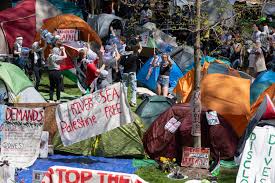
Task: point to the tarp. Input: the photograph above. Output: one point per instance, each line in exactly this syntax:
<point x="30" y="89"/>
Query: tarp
<point x="20" y="88"/>
<point x="269" y="9"/>
<point x="24" y="19"/>
<point x="152" y="107"/>
<point x="87" y="162"/>
<point x="159" y="142"/>
<point x="229" y="96"/>
<point x="261" y="83"/>
<point x="101" y="23"/>
<point x="151" y="83"/>
<point x="122" y="141"/>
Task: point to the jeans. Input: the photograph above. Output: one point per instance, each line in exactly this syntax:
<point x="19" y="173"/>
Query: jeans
<point x="37" y="74"/>
<point x="130" y="79"/>
<point x="55" y="82"/>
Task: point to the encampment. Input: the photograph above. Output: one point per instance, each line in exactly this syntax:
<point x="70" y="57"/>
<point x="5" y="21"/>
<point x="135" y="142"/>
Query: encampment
<point x="15" y="86"/>
<point x="24" y="20"/>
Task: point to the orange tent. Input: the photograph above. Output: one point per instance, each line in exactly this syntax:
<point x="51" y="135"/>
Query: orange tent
<point x="229" y="96"/>
<point x="68" y="21"/>
<point x="269" y="91"/>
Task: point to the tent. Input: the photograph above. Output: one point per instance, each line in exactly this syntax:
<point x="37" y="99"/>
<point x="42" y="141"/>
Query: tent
<point x="159" y="142"/>
<point x="24" y="19"/>
<point x="122" y="141"/>
<point x="175" y="74"/>
<point x="152" y="107"/>
<point x="261" y="83"/>
<point x="15" y="86"/>
<point x="269" y="9"/>
<point x="229" y="96"/>
<point x="101" y="23"/>
<point x="184" y="86"/>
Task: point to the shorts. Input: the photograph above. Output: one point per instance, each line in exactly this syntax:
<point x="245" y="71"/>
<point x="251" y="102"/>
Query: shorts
<point x="163" y="81"/>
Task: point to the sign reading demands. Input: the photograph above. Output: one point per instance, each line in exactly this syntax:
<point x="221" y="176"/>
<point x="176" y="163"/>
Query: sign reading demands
<point x="257" y="163"/>
<point x="92" y="114"/>
<point x="21" y="132"/>
<point x="195" y="157"/>
<point x="58" y="174"/>
<point x="68" y="34"/>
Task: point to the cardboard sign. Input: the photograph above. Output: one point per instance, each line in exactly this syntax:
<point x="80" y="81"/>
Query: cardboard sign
<point x="57" y="174"/>
<point x="172" y="125"/>
<point x="68" y="34"/>
<point x="93" y="114"/>
<point x="21" y="132"/>
<point x="212" y="118"/>
<point x="257" y="162"/>
<point x="195" y="157"/>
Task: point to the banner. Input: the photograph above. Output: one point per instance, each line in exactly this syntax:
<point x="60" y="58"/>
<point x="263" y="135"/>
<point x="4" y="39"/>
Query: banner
<point x="62" y="174"/>
<point x="92" y="114"/>
<point x="257" y="163"/>
<point x="21" y="133"/>
<point x="68" y="34"/>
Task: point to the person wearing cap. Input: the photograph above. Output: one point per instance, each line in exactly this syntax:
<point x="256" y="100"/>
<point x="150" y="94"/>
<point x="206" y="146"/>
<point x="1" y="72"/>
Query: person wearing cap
<point x="100" y="82"/>
<point x="256" y="60"/>
<point x="129" y="63"/>
<point x="54" y="60"/>
<point x="17" y="49"/>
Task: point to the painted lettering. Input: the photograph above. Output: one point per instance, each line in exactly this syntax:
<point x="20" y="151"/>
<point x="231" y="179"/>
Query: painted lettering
<point x="72" y="174"/>
<point x="60" y="174"/>
<point x="85" y="176"/>
<point x="271" y="140"/>
<point x="267" y="162"/>
<point x="265" y="173"/>
<point x="102" y="176"/>
<point x="113" y="178"/>
<point x="246" y="166"/>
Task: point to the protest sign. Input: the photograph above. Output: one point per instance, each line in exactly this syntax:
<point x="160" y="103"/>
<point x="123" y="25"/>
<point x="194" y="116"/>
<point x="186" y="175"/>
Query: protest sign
<point x="212" y="118"/>
<point x="257" y="162"/>
<point x="68" y="34"/>
<point x="21" y="132"/>
<point x="144" y="39"/>
<point x="92" y="114"/>
<point x="195" y="157"/>
<point x="62" y="174"/>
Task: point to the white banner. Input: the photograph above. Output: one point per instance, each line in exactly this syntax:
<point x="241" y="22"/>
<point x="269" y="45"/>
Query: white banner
<point x="257" y="163"/>
<point x="68" y="34"/>
<point x="62" y="174"/>
<point x="22" y="129"/>
<point x="92" y="114"/>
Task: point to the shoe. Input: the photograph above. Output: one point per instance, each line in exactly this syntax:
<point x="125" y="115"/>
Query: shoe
<point x="50" y="101"/>
<point x="133" y="104"/>
<point x="58" y="101"/>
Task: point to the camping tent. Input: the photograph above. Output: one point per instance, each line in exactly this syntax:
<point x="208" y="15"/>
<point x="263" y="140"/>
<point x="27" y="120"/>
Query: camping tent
<point x="229" y="96"/>
<point x="184" y="86"/>
<point x="122" y="141"/>
<point x="159" y="142"/>
<point x="152" y="107"/>
<point x="261" y="83"/>
<point x="15" y="87"/>
<point x="175" y="74"/>
<point x="101" y="23"/>
<point x="24" y="19"/>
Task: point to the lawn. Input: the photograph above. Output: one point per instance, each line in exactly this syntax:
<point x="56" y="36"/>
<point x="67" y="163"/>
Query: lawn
<point x="151" y="174"/>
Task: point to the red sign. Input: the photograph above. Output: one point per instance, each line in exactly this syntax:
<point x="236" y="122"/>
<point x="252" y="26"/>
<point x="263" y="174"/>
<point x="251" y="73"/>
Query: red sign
<point x="195" y="157"/>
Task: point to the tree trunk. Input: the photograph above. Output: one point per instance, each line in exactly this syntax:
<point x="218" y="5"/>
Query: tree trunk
<point x="196" y="128"/>
<point x="4" y="4"/>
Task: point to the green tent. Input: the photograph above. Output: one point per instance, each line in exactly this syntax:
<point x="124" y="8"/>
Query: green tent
<point x="152" y="107"/>
<point x="122" y="141"/>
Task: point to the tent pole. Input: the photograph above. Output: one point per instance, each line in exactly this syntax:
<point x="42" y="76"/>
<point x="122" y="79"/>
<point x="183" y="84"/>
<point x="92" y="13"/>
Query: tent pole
<point x="196" y="127"/>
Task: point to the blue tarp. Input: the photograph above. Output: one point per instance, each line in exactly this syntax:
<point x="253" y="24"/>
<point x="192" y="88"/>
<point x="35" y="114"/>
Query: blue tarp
<point x="261" y="83"/>
<point x="86" y="162"/>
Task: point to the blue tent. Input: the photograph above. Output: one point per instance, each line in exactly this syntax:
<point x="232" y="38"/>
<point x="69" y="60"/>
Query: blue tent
<point x="261" y="83"/>
<point x="151" y="83"/>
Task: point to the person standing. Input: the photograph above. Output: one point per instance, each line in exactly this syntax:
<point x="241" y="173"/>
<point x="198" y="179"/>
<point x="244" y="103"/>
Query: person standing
<point x="54" y="61"/>
<point x="129" y="63"/>
<point x="17" y="49"/>
<point x="164" y="73"/>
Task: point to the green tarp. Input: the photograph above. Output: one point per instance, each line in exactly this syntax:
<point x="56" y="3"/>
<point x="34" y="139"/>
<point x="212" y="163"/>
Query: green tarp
<point x="14" y="78"/>
<point x="122" y="141"/>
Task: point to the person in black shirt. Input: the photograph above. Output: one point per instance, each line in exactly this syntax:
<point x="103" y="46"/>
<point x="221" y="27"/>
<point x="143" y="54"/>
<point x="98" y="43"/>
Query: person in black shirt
<point x="129" y="63"/>
<point x="163" y="79"/>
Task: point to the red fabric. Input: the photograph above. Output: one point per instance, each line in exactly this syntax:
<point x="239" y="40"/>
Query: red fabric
<point x="270" y="109"/>
<point x="20" y="20"/>
<point x="91" y="73"/>
<point x="158" y="142"/>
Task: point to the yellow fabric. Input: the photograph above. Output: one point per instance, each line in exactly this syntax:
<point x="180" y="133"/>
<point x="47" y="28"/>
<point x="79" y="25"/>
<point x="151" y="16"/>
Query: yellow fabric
<point x="229" y="96"/>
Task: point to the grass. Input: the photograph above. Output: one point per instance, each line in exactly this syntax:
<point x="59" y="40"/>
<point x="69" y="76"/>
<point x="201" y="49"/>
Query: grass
<point x="151" y="174"/>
